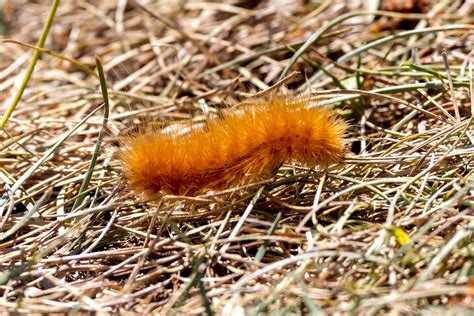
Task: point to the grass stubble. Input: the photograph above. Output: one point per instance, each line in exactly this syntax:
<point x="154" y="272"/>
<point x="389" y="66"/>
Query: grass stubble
<point x="387" y="230"/>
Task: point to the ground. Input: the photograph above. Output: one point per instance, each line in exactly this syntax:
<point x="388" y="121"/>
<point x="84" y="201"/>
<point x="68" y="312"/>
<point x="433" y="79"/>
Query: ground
<point x="388" y="229"/>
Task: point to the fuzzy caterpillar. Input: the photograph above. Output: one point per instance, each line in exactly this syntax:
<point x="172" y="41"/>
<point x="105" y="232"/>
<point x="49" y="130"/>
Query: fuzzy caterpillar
<point x="245" y="145"/>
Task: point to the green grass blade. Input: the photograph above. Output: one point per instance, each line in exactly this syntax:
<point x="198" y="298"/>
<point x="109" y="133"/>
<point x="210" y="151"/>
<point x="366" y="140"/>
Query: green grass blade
<point x="87" y="178"/>
<point x="4" y="199"/>
<point x="31" y="66"/>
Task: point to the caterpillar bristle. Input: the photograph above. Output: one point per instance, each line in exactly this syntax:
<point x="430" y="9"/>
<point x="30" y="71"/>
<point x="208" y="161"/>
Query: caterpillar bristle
<point x="245" y="145"/>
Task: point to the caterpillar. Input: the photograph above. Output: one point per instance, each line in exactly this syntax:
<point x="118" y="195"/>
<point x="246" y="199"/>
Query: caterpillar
<point x="244" y="145"/>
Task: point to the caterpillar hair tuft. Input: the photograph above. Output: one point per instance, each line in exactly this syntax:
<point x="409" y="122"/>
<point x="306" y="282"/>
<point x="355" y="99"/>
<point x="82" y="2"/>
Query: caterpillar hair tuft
<point x="245" y="145"/>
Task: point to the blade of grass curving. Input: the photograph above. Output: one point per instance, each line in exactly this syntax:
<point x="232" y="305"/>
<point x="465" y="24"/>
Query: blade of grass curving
<point x="87" y="178"/>
<point x="31" y="66"/>
<point x="388" y="90"/>
<point x="249" y="56"/>
<point x="372" y="94"/>
<point x="379" y="42"/>
<point x="74" y="62"/>
<point x="27" y="216"/>
<point x="319" y="33"/>
<point x="4" y="199"/>
<point x="263" y="248"/>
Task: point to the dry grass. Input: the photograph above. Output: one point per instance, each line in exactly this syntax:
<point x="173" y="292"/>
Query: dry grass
<point x="388" y="230"/>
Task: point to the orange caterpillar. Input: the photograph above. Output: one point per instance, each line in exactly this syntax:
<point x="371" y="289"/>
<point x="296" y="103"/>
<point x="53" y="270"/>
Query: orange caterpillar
<point x="245" y="145"/>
